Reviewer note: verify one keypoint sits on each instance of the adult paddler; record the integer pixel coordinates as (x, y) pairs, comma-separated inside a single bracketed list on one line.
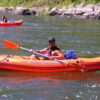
[(52, 51)]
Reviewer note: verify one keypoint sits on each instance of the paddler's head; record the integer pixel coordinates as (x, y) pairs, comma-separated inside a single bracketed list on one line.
[(3, 17), (51, 42)]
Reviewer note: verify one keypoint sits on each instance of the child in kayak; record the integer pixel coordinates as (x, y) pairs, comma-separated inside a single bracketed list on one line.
[(4, 19), (52, 51)]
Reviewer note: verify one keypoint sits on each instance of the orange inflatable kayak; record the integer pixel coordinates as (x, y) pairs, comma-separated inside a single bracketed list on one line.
[(22, 63), (11, 23)]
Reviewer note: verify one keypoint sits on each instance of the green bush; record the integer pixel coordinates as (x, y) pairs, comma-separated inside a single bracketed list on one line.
[(49, 3)]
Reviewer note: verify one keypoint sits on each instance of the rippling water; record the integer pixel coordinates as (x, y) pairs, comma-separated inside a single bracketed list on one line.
[(83, 36)]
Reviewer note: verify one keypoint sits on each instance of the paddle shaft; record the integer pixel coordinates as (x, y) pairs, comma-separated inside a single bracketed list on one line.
[(34, 52)]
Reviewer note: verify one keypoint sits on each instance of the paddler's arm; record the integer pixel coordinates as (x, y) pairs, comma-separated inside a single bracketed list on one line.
[(39, 51), (57, 55)]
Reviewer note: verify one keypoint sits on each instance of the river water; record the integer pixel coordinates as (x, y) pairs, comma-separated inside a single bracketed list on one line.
[(82, 36)]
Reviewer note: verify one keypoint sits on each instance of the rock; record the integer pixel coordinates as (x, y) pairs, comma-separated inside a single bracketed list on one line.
[(68, 13), (97, 16), (89, 15), (24, 11), (79, 12), (40, 10), (60, 11), (2, 9), (33, 12), (9, 9), (53, 11), (18, 10), (89, 8)]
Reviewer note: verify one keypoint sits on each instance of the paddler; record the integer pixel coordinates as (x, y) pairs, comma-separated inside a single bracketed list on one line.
[(4, 19), (52, 51)]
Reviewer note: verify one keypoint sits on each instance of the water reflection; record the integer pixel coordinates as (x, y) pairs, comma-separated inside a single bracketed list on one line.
[(47, 86), (57, 76)]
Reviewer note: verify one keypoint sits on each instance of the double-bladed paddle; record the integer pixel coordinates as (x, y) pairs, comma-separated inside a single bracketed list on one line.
[(15, 46)]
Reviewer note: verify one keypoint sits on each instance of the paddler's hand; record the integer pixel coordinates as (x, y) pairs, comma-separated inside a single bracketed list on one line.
[(31, 50), (51, 58)]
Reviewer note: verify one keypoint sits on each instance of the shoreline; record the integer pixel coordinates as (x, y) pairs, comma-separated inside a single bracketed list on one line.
[(85, 11)]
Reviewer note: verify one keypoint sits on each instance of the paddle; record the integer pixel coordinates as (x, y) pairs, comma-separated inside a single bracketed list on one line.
[(15, 46)]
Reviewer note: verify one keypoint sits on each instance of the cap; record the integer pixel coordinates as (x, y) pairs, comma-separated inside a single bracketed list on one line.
[(51, 39)]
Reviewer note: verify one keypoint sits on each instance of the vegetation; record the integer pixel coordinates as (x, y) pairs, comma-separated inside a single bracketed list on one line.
[(49, 3)]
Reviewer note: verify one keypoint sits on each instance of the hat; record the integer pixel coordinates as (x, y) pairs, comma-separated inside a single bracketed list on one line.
[(51, 39)]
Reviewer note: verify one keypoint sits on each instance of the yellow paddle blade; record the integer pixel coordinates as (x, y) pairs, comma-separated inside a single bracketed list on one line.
[(11, 44)]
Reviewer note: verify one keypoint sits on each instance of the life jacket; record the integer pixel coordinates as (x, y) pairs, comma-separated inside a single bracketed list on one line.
[(49, 51)]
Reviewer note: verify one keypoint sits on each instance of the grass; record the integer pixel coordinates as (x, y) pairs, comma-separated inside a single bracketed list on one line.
[(49, 3)]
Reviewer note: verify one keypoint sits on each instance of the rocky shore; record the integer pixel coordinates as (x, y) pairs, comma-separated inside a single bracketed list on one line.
[(89, 11)]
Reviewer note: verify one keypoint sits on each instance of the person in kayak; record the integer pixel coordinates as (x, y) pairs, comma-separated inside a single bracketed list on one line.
[(4, 19), (52, 51)]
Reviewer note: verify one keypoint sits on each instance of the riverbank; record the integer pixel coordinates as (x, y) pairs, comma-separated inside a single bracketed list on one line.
[(86, 11)]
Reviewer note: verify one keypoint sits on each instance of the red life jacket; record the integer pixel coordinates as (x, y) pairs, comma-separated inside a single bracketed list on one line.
[(49, 51)]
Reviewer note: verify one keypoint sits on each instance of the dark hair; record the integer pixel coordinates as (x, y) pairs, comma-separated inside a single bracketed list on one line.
[(51, 39), (3, 16)]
